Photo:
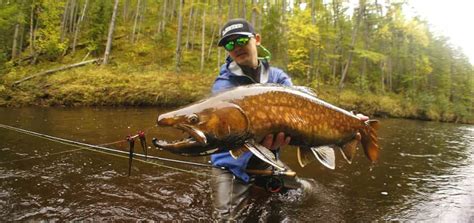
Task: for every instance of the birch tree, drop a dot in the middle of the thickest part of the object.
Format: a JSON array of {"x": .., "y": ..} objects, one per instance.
[
  {"x": 178, "y": 38},
  {"x": 361, "y": 11},
  {"x": 188, "y": 28},
  {"x": 78, "y": 26},
  {"x": 136, "y": 19},
  {"x": 108, "y": 46},
  {"x": 15, "y": 41},
  {"x": 203, "y": 37}
]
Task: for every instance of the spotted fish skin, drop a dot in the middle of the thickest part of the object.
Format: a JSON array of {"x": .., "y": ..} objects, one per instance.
[
  {"x": 230, "y": 118},
  {"x": 307, "y": 119}
]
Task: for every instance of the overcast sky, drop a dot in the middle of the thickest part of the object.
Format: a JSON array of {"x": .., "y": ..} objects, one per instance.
[{"x": 453, "y": 18}]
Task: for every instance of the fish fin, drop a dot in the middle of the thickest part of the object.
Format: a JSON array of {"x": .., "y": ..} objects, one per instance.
[
  {"x": 306, "y": 90},
  {"x": 325, "y": 155},
  {"x": 237, "y": 152},
  {"x": 348, "y": 150},
  {"x": 369, "y": 140},
  {"x": 305, "y": 156},
  {"x": 265, "y": 155}
]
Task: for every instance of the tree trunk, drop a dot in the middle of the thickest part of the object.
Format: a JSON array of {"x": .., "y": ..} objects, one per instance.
[
  {"x": 188, "y": 28},
  {"x": 34, "y": 53},
  {"x": 178, "y": 39},
  {"x": 173, "y": 10},
  {"x": 366, "y": 46},
  {"x": 72, "y": 15},
  {"x": 78, "y": 26},
  {"x": 15, "y": 41},
  {"x": 284, "y": 40},
  {"x": 135, "y": 22},
  {"x": 22, "y": 38},
  {"x": 55, "y": 70},
  {"x": 32, "y": 30},
  {"x": 311, "y": 48},
  {"x": 353, "y": 39},
  {"x": 214, "y": 27},
  {"x": 337, "y": 43},
  {"x": 126, "y": 3},
  {"x": 64, "y": 20},
  {"x": 230, "y": 13},
  {"x": 258, "y": 27},
  {"x": 243, "y": 13},
  {"x": 194, "y": 28},
  {"x": 254, "y": 12},
  {"x": 219, "y": 49},
  {"x": 108, "y": 47},
  {"x": 203, "y": 40},
  {"x": 141, "y": 19},
  {"x": 162, "y": 24}
]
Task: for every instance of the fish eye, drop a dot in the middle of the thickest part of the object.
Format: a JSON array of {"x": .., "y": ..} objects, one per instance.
[{"x": 193, "y": 119}]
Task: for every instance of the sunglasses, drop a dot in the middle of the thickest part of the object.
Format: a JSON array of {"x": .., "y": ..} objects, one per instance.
[{"x": 240, "y": 41}]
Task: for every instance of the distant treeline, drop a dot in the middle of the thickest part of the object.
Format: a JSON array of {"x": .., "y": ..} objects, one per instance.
[{"x": 372, "y": 48}]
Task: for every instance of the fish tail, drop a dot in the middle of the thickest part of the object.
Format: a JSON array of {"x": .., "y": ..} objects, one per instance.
[{"x": 369, "y": 140}]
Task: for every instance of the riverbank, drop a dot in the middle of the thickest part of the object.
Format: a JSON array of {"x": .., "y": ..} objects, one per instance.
[{"x": 116, "y": 85}]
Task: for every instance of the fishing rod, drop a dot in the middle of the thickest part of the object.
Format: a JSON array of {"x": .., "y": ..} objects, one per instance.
[
  {"x": 102, "y": 148},
  {"x": 143, "y": 157}
]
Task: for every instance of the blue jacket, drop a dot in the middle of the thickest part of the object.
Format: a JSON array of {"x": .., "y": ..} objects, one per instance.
[{"x": 232, "y": 76}]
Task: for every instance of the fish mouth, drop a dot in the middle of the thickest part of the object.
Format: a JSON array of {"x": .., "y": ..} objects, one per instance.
[{"x": 195, "y": 144}]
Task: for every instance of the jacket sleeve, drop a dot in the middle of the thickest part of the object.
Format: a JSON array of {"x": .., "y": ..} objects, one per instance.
[
  {"x": 284, "y": 79},
  {"x": 222, "y": 82}
]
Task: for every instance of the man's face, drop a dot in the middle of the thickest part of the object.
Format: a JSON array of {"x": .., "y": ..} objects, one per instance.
[{"x": 245, "y": 55}]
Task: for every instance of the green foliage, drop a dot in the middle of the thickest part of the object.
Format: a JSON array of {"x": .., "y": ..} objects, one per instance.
[
  {"x": 273, "y": 33},
  {"x": 8, "y": 19},
  {"x": 48, "y": 35},
  {"x": 370, "y": 55},
  {"x": 99, "y": 19},
  {"x": 304, "y": 36},
  {"x": 399, "y": 68}
]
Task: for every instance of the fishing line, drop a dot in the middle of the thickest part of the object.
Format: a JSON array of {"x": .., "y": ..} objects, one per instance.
[
  {"x": 104, "y": 150},
  {"x": 41, "y": 156}
]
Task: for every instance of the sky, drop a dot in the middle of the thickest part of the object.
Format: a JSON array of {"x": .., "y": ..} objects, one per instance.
[{"x": 453, "y": 18}]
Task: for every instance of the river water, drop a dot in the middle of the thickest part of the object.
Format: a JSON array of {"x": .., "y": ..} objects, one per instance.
[{"x": 426, "y": 173}]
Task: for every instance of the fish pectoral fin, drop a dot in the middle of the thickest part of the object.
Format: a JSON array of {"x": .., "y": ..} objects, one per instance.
[
  {"x": 237, "y": 152},
  {"x": 349, "y": 149},
  {"x": 325, "y": 155},
  {"x": 265, "y": 155}
]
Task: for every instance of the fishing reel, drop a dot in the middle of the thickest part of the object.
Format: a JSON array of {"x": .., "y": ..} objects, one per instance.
[{"x": 274, "y": 184}]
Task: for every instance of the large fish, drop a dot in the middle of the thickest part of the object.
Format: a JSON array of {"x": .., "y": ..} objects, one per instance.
[{"x": 238, "y": 119}]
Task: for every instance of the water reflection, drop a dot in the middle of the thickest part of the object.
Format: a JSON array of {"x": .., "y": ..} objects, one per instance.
[{"x": 425, "y": 173}]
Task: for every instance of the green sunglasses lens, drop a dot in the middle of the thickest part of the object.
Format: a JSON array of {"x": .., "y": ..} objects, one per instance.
[
  {"x": 242, "y": 41},
  {"x": 229, "y": 46}
]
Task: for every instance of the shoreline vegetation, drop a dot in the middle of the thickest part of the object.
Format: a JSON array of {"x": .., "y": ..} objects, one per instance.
[
  {"x": 94, "y": 85},
  {"x": 371, "y": 58}
]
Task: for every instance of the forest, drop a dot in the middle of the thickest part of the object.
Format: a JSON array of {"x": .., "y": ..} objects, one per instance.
[{"x": 367, "y": 56}]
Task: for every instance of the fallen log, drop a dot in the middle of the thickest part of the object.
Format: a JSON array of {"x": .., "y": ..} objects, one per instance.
[
  {"x": 18, "y": 61},
  {"x": 56, "y": 70}
]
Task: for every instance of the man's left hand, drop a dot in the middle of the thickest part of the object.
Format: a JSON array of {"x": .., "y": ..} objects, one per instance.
[{"x": 280, "y": 140}]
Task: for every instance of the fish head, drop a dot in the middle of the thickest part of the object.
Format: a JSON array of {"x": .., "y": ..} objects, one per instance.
[{"x": 210, "y": 126}]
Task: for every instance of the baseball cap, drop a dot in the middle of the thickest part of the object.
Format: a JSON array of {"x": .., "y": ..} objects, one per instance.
[{"x": 237, "y": 26}]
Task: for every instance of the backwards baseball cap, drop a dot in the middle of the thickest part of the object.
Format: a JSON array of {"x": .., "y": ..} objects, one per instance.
[{"x": 235, "y": 27}]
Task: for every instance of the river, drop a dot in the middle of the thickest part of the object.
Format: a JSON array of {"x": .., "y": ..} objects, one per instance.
[{"x": 426, "y": 173}]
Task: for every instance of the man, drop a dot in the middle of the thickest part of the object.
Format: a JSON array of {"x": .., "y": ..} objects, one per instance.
[{"x": 243, "y": 66}]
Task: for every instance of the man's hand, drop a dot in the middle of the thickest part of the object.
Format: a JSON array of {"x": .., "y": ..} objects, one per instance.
[{"x": 280, "y": 140}]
